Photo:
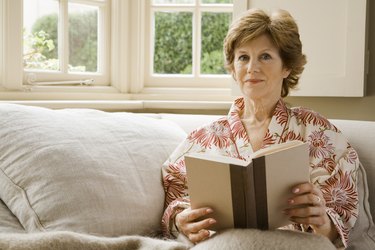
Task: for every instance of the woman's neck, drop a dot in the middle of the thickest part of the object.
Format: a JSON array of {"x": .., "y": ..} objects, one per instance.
[{"x": 258, "y": 111}]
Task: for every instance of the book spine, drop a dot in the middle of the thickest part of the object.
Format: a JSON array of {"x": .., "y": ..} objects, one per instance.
[
  {"x": 238, "y": 195},
  {"x": 250, "y": 202},
  {"x": 260, "y": 187}
]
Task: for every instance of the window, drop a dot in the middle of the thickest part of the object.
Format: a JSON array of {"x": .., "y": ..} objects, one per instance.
[
  {"x": 62, "y": 42},
  {"x": 1, "y": 42},
  {"x": 185, "y": 43}
]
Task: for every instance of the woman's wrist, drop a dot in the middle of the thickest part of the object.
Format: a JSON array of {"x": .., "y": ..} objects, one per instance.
[
  {"x": 328, "y": 229},
  {"x": 175, "y": 230}
]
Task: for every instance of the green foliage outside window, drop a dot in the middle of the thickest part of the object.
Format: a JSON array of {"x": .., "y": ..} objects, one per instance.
[
  {"x": 172, "y": 45},
  {"x": 173, "y": 42},
  {"x": 214, "y": 29},
  {"x": 35, "y": 48},
  {"x": 83, "y": 43}
]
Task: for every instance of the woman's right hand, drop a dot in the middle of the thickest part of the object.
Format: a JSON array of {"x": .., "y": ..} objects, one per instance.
[{"x": 188, "y": 223}]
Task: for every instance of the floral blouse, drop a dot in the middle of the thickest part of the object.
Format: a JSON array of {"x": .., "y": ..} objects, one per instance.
[{"x": 333, "y": 162}]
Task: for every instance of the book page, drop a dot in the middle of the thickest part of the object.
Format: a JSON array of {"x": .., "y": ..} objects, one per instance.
[
  {"x": 284, "y": 170},
  {"x": 276, "y": 148},
  {"x": 231, "y": 160},
  {"x": 209, "y": 185},
  {"x": 219, "y": 158}
]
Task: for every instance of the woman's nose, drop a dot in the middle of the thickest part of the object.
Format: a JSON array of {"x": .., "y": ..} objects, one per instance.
[{"x": 253, "y": 66}]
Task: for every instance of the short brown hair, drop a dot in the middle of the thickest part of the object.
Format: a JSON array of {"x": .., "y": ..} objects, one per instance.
[{"x": 283, "y": 31}]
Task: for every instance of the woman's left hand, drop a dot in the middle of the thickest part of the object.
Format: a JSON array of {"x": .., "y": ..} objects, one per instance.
[{"x": 307, "y": 207}]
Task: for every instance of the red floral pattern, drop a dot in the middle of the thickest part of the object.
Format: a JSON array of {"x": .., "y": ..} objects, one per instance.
[
  {"x": 320, "y": 145},
  {"x": 340, "y": 194},
  {"x": 238, "y": 130},
  {"x": 228, "y": 137},
  {"x": 216, "y": 134},
  {"x": 281, "y": 113},
  {"x": 308, "y": 116},
  {"x": 328, "y": 164},
  {"x": 269, "y": 139},
  {"x": 175, "y": 181},
  {"x": 351, "y": 157},
  {"x": 291, "y": 136}
]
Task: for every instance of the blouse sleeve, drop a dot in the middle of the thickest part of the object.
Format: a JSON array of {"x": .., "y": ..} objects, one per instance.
[
  {"x": 175, "y": 187},
  {"x": 335, "y": 156}
]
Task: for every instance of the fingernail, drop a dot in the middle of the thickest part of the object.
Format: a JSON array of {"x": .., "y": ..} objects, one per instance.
[
  {"x": 296, "y": 190},
  {"x": 209, "y": 210},
  {"x": 290, "y": 201},
  {"x": 212, "y": 221}
]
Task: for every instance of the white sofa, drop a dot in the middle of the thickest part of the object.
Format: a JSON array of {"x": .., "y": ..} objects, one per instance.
[{"x": 87, "y": 179}]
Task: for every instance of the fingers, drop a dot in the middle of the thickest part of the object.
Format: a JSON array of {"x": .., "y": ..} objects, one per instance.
[
  {"x": 189, "y": 215},
  {"x": 309, "y": 215},
  {"x": 307, "y": 206},
  {"x": 303, "y": 212},
  {"x": 306, "y": 188},
  {"x": 307, "y": 199},
  {"x": 199, "y": 236},
  {"x": 196, "y": 227},
  {"x": 189, "y": 224}
]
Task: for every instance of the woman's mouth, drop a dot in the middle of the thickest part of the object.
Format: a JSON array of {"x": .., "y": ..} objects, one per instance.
[{"x": 254, "y": 81}]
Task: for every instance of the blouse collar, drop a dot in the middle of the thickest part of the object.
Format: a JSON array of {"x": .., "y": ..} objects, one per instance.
[{"x": 278, "y": 125}]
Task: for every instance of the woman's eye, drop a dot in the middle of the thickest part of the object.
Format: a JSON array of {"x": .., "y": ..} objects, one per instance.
[
  {"x": 265, "y": 56},
  {"x": 243, "y": 58}
]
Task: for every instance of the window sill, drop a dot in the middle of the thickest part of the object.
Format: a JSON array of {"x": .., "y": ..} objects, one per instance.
[
  {"x": 128, "y": 105},
  {"x": 108, "y": 98}
]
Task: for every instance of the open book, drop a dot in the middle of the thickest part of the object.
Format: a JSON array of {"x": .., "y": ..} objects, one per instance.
[{"x": 248, "y": 194}]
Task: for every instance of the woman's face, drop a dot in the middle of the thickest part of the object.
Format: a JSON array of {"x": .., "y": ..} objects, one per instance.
[{"x": 258, "y": 69}]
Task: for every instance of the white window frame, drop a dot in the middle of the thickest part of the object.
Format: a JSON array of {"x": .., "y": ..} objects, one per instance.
[
  {"x": 11, "y": 44},
  {"x": 12, "y": 47},
  {"x": 126, "y": 64},
  {"x": 196, "y": 79}
]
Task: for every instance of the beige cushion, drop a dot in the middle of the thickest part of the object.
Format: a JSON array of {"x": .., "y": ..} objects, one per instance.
[
  {"x": 8, "y": 222},
  {"x": 253, "y": 239},
  {"x": 84, "y": 170},
  {"x": 362, "y": 235}
]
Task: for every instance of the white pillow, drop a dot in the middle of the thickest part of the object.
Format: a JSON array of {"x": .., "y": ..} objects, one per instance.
[
  {"x": 8, "y": 222},
  {"x": 84, "y": 170}
]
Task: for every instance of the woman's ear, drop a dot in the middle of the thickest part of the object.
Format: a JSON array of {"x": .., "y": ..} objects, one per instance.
[{"x": 286, "y": 72}]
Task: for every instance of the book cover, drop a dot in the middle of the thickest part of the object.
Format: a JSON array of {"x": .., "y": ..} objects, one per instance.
[{"x": 248, "y": 194}]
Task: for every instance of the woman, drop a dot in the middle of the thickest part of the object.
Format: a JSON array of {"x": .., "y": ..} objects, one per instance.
[{"x": 264, "y": 55}]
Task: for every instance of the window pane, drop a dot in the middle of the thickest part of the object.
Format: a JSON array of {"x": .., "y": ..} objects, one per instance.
[
  {"x": 214, "y": 29},
  {"x": 217, "y": 1},
  {"x": 83, "y": 38},
  {"x": 40, "y": 42},
  {"x": 173, "y": 1},
  {"x": 173, "y": 43}
]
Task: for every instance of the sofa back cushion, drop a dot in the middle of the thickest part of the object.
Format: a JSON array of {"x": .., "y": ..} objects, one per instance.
[
  {"x": 84, "y": 170},
  {"x": 8, "y": 222},
  {"x": 362, "y": 235}
]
